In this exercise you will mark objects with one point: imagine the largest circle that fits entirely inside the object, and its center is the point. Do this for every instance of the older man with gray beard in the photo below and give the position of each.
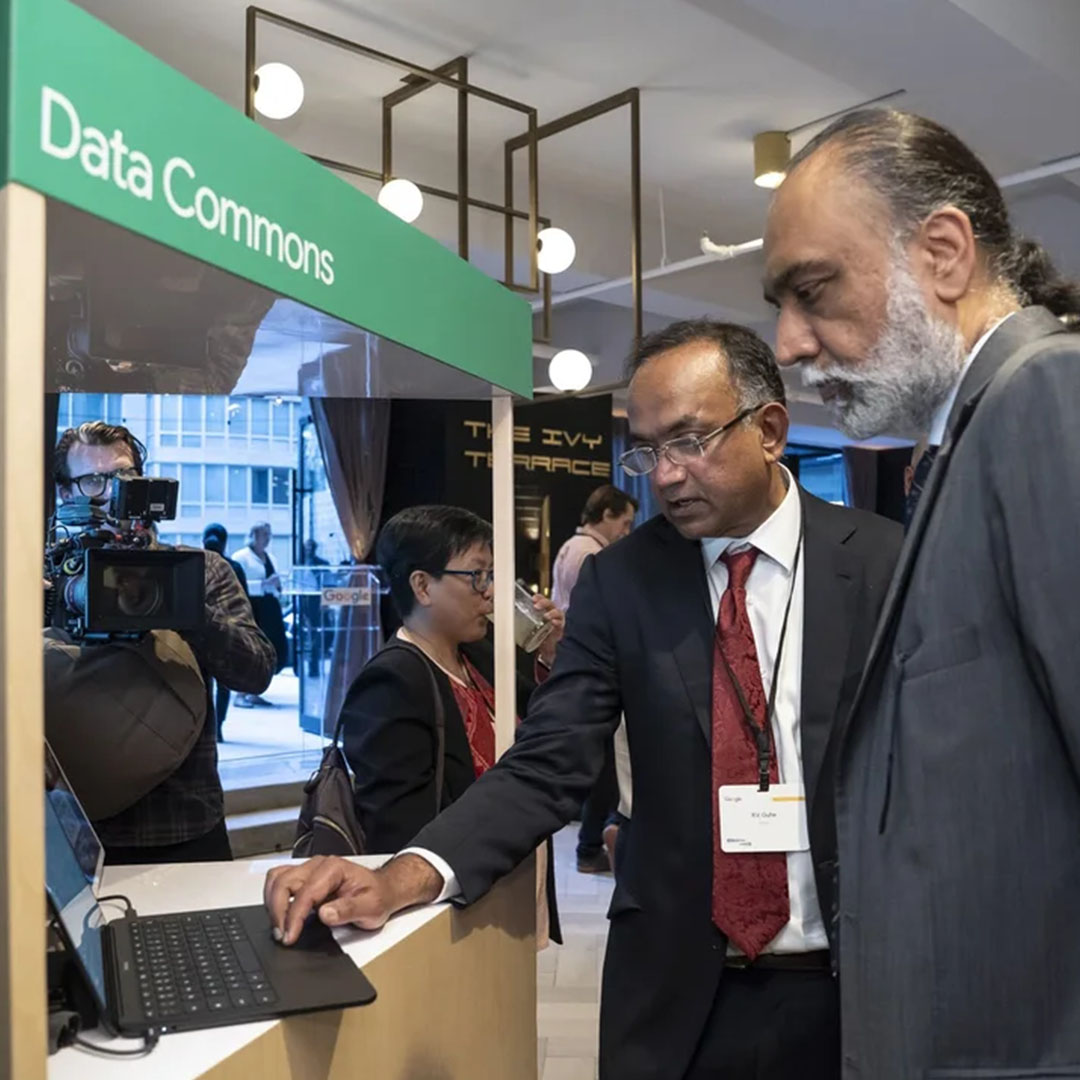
(905, 296)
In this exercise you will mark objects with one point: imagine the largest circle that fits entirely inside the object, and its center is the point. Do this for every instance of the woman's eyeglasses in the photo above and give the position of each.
(482, 580)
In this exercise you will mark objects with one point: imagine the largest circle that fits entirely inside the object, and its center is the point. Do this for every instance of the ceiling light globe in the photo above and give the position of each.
(771, 180)
(402, 198)
(570, 369)
(557, 250)
(279, 91)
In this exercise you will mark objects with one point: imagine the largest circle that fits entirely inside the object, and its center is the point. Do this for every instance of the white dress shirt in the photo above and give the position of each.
(767, 590)
(777, 540)
(936, 435)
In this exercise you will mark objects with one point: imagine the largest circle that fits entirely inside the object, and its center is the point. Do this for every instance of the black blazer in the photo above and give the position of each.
(639, 641)
(391, 743)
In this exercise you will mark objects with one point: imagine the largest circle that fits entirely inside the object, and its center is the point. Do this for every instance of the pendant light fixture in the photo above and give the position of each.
(569, 370)
(402, 197)
(556, 250)
(279, 91)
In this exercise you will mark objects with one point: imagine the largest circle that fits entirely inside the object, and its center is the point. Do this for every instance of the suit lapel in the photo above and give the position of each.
(1023, 327)
(681, 599)
(829, 598)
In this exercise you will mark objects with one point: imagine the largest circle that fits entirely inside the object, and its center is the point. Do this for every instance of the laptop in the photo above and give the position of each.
(189, 970)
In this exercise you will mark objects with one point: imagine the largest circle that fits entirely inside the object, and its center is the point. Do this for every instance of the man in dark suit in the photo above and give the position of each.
(739, 622)
(904, 292)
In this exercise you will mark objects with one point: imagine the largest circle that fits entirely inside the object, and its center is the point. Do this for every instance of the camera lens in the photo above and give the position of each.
(138, 595)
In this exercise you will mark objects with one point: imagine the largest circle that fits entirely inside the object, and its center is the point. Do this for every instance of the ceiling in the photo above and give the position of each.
(1003, 74)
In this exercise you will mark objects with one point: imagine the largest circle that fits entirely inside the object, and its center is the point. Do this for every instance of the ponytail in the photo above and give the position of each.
(1035, 277)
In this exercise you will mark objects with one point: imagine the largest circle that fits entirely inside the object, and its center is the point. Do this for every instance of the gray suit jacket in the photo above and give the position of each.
(958, 775)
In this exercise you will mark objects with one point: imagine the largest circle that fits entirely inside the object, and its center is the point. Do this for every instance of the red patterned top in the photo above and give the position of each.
(476, 703)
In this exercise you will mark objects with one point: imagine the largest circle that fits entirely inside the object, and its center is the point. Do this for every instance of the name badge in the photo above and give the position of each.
(753, 820)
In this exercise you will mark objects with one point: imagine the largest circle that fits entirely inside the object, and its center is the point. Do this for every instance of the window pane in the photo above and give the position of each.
(281, 421)
(215, 484)
(260, 417)
(170, 412)
(192, 413)
(215, 414)
(238, 417)
(191, 440)
(281, 487)
(114, 408)
(238, 487)
(191, 483)
(168, 440)
(167, 469)
(260, 487)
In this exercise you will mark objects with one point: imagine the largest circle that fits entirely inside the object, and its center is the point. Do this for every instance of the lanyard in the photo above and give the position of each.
(762, 736)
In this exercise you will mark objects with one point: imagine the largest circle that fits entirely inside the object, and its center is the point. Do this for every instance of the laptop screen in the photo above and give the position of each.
(73, 819)
(69, 885)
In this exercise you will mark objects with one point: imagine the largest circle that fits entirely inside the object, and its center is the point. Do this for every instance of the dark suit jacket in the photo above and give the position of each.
(391, 743)
(639, 640)
(959, 775)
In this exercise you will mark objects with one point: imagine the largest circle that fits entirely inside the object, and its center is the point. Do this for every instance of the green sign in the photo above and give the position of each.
(97, 122)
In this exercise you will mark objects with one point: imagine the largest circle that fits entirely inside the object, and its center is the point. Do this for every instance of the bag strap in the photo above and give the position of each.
(440, 716)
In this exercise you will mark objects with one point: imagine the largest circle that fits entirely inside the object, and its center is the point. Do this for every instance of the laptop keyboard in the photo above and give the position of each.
(187, 965)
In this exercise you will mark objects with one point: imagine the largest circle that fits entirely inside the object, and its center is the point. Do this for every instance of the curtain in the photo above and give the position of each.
(353, 436)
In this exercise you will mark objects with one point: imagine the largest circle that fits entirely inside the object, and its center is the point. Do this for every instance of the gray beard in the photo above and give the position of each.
(908, 374)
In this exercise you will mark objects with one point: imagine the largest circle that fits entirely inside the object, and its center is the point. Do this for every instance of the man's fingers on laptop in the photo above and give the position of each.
(281, 885)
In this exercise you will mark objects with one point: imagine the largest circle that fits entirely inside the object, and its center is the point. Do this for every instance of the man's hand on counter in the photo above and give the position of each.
(343, 893)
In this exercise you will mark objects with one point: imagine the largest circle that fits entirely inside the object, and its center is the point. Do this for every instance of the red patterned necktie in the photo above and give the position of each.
(750, 890)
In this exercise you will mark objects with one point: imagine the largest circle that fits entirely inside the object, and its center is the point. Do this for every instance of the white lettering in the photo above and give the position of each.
(94, 154)
(327, 262)
(240, 215)
(119, 152)
(296, 263)
(166, 182)
(140, 176)
(205, 220)
(272, 230)
(49, 98)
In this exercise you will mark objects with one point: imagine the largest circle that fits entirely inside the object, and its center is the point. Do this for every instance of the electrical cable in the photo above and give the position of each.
(151, 1040)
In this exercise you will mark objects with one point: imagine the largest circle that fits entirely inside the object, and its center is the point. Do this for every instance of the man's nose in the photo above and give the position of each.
(796, 342)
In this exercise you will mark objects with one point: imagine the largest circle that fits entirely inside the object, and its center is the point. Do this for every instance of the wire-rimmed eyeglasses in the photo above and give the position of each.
(482, 580)
(685, 450)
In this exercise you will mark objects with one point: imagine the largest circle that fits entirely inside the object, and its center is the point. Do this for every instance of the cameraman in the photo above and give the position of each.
(182, 819)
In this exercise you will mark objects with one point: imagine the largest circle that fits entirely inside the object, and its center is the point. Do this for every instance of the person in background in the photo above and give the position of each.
(608, 516)
(717, 962)
(438, 562)
(311, 617)
(216, 539)
(905, 294)
(264, 589)
(183, 818)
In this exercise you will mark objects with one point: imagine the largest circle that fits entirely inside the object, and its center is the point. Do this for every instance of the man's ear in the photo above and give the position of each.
(945, 251)
(773, 423)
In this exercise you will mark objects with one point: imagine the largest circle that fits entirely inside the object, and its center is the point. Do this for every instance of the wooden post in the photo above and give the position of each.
(502, 501)
(22, 764)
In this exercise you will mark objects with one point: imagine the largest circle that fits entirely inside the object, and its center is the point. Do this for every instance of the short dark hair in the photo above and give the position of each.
(94, 433)
(605, 498)
(215, 537)
(751, 365)
(918, 166)
(425, 538)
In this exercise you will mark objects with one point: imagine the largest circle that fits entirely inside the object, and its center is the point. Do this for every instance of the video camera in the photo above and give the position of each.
(108, 577)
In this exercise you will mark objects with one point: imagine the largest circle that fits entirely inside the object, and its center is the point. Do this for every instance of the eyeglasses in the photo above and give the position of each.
(95, 484)
(482, 580)
(685, 450)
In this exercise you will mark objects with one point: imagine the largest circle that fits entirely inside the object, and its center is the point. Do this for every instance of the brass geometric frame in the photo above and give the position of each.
(454, 75)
